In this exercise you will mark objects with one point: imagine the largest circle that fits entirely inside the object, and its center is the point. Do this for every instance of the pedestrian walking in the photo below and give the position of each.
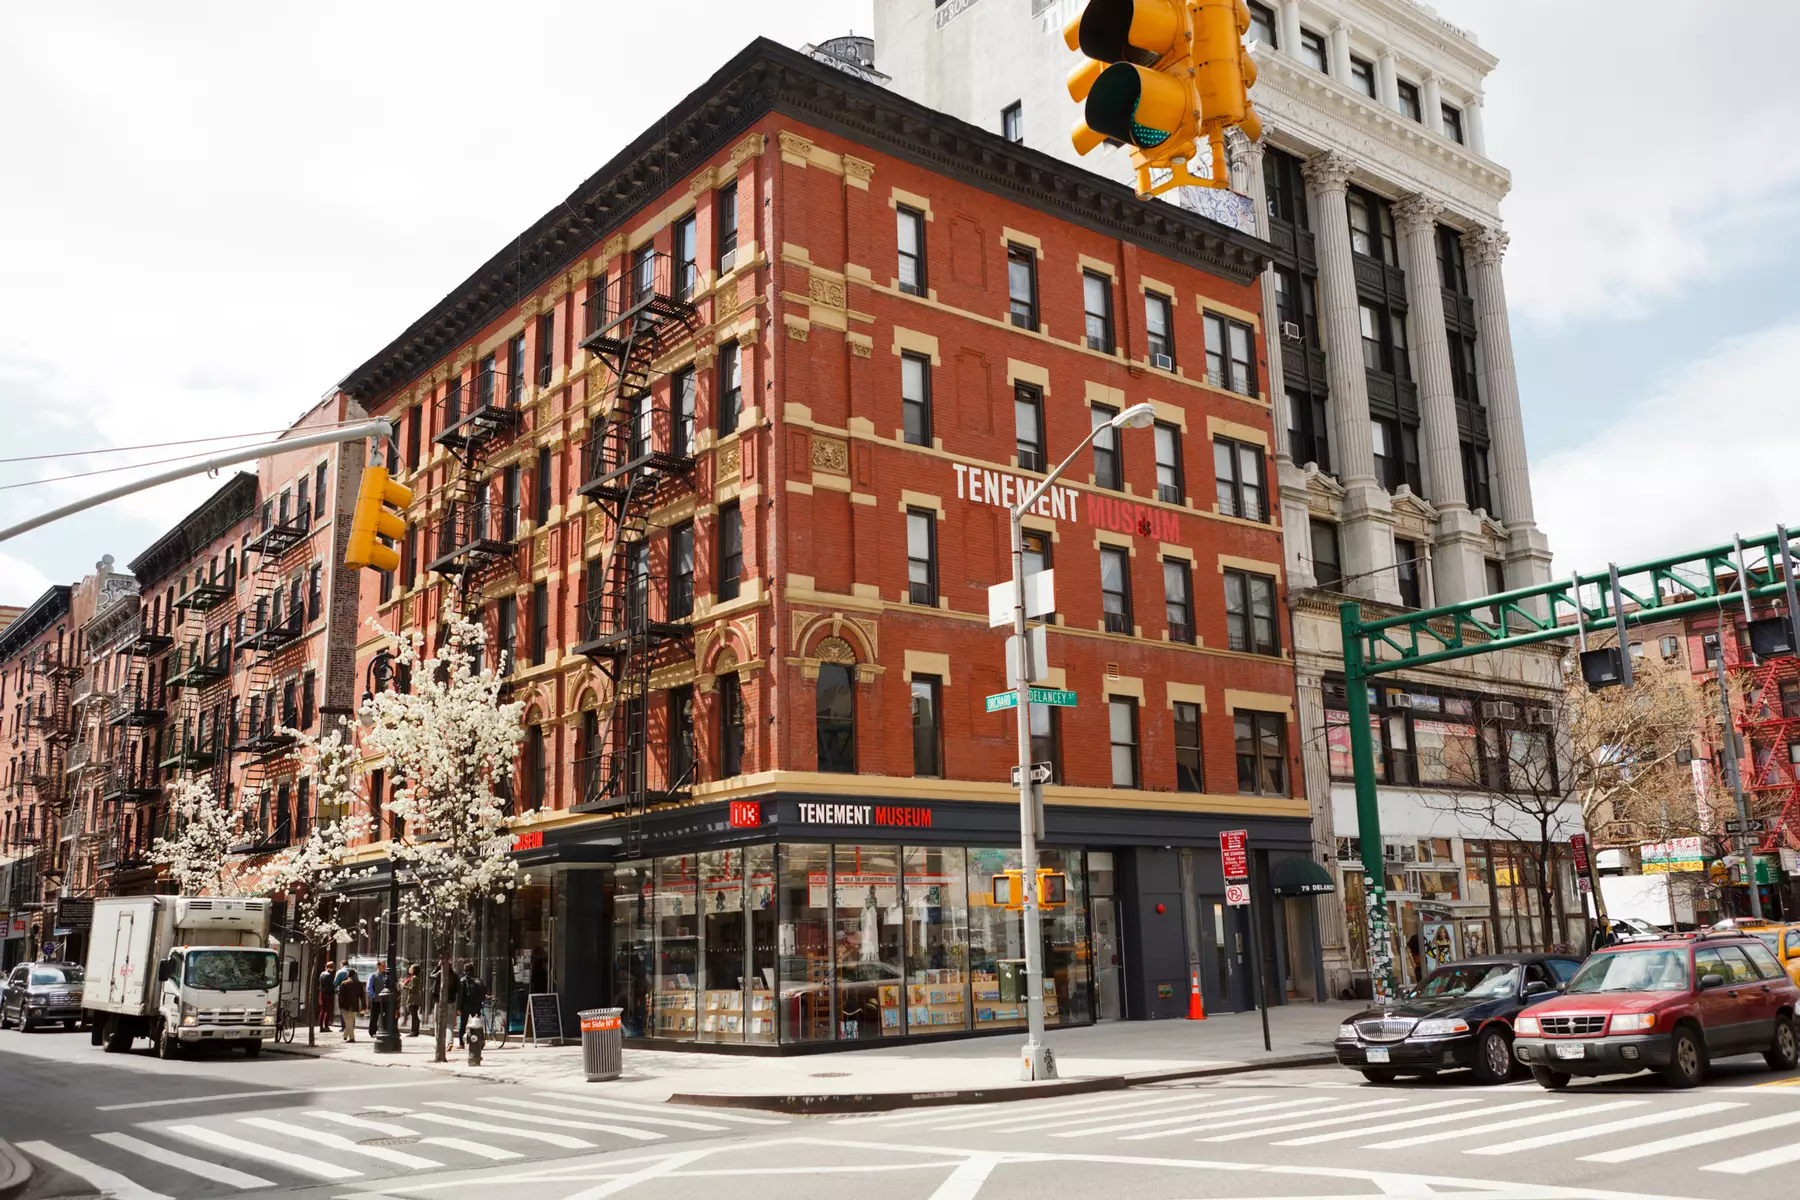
(350, 1002)
(443, 998)
(471, 993)
(378, 983)
(326, 985)
(409, 996)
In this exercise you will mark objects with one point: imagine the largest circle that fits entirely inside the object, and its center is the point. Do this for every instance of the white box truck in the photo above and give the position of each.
(181, 970)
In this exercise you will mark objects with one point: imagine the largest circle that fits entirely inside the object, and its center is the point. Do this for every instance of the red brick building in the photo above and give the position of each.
(719, 447)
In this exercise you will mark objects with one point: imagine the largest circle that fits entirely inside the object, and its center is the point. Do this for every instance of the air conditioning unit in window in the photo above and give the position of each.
(1399, 700)
(1162, 362)
(1499, 710)
(1539, 716)
(727, 260)
(1290, 330)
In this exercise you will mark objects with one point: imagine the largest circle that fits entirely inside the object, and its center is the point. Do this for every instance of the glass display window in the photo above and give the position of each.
(633, 945)
(937, 939)
(1068, 994)
(723, 954)
(675, 1002)
(869, 938)
(805, 1000)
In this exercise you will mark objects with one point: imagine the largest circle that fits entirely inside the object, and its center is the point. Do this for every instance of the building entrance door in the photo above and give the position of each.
(1231, 942)
(1109, 960)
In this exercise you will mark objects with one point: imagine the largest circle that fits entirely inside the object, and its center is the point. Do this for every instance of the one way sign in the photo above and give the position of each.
(1040, 773)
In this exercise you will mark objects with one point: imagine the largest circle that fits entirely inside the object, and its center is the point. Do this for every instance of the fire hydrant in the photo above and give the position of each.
(475, 1037)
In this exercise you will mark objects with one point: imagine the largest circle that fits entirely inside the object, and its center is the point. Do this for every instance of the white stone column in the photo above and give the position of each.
(1473, 128)
(1528, 552)
(1340, 52)
(1456, 563)
(1288, 22)
(1431, 99)
(1387, 79)
(1365, 533)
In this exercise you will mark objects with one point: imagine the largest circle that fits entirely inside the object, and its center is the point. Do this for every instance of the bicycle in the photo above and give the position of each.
(495, 1020)
(284, 1023)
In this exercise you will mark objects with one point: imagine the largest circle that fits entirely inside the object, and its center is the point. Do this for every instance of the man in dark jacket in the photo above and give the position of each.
(471, 993)
(378, 982)
(326, 986)
(350, 1002)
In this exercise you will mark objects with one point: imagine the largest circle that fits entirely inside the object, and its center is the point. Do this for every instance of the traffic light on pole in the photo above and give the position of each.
(372, 520)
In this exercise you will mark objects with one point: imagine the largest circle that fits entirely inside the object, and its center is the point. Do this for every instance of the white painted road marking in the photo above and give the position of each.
(110, 1182)
(1443, 1135)
(182, 1162)
(305, 1164)
(562, 1140)
(1339, 1135)
(1588, 1131)
(341, 1144)
(640, 1135)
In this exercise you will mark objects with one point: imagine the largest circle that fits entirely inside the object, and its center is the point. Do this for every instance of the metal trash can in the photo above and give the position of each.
(602, 1043)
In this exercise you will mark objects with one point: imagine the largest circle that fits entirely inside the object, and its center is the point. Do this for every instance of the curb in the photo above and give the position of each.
(15, 1171)
(871, 1102)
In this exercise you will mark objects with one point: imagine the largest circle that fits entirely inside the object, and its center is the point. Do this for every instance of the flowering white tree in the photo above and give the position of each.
(199, 855)
(450, 743)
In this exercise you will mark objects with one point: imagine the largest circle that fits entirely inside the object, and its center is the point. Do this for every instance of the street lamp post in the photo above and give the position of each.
(1035, 1060)
(387, 1040)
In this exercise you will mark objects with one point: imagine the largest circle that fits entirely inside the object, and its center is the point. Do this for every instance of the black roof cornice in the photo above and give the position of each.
(196, 531)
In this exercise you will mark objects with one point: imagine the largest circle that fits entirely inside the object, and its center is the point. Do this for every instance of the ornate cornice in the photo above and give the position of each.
(44, 612)
(767, 78)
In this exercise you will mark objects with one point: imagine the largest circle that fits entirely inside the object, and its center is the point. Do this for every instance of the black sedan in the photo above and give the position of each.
(1460, 1016)
(41, 992)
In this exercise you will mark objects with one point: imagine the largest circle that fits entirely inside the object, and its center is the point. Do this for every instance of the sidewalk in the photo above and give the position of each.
(1095, 1058)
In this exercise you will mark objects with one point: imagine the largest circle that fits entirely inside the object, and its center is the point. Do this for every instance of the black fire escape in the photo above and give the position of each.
(639, 457)
(275, 621)
(474, 536)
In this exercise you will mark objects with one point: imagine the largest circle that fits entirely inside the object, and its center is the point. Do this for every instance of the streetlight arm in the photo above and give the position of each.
(1135, 416)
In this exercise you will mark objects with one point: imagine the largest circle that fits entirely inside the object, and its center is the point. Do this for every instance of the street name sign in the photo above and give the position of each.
(1040, 773)
(1053, 697)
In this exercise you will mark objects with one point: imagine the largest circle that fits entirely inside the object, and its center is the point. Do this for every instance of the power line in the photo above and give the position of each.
(219, 437)
(155, 462)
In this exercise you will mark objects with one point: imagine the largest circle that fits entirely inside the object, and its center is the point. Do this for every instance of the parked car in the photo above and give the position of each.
(1632, 929)
(1671, 1006)
(1460, 1015)
(40, 992)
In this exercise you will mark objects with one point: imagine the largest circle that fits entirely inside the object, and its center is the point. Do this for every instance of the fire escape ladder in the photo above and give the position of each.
(272, 629)
(1768, 719)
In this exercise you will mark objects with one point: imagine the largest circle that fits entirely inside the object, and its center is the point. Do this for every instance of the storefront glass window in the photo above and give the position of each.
(937, 940)
(1337, 744)
(533, 927)
(869, 935)
(675, 1008)
(759, 1018)
(633, 946)
(1067, 995)
(997, 948)
(803, 944)
(723, 931)
(1448, 752)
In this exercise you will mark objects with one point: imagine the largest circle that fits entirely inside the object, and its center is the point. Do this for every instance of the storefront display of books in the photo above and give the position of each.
(936, 997)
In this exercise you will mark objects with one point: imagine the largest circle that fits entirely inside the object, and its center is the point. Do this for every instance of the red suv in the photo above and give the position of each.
(1670, 1005)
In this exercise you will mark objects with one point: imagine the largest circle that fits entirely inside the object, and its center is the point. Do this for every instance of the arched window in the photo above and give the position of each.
(837, 718)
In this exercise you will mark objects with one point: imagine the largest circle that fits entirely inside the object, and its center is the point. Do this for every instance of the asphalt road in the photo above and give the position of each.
(303, 1128)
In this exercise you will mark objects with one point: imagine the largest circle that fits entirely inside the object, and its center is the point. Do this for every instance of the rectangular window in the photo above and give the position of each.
(731, 387)
(911, 238)
(1670, 647)
(681, 405)
(1021, 285)
(921, 556)
(546, 348)
(487, 379)
(730, 531)
(302, 510)
(681, 737)
(1178, 600)
(1229, 360)
(515, 370)
(541, 512)
(1109, 462)
(1096, 300)
(728, 227)
(309, 698)
(681, 571)
(315, 591)
(643, 273)
(1453, 123)
(1171, 487)
(1494, 575)
(1409, 101)
(1452, 268)
(1261, 752)
(1362, 76)
(1028, 426)
(414, 423)
(540, 623)
(1374, 336)
(1308, 440)
(1312, 51)
(1406, 571)
(1262, 26)
(1121, 717)
(1037, 558)
(1250, 625)
(1159, 330)
(533, 768)
(928, 733)
(731, 726)
(1012, 122)
(835, 717)
(1327, 573)
(1189, 773)
(687, 256)
(1115, 588)
(409, 559)
(915, 398)
(1475, 477)
(506, 630)
(1240, 480)
(509, 504)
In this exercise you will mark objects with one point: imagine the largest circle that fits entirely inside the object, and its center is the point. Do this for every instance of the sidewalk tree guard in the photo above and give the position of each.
(1697, 581)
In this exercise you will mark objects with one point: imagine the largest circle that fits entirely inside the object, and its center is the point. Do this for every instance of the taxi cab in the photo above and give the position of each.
(1784, 940)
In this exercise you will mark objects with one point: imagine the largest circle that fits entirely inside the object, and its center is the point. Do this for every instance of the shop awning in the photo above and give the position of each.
(1300, 877)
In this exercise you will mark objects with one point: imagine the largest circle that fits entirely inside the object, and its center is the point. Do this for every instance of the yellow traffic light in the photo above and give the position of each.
(1224, 72)
(1009, 890)
(372, 519)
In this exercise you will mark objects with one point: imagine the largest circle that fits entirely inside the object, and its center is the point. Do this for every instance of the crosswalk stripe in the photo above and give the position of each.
(710, 1114)
(478, 1149)
(340, 1143)
(110, 1182)
(1443, 1135)
(588, 1112)
(1283, 1109)
(1286, 1125)
(1340, 1135)
(1186, 1117)
(1698, 1137)
(562, 1140)
(305, 1164)
(183, 1162)
(1749, 1163)
(1075, 1114)
(381, 1127)
(1588, 1131)
(640, 1135)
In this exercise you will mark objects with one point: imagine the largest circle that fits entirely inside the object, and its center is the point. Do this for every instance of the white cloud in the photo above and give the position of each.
(20, 582)
(1709, 453)
(1648, 143)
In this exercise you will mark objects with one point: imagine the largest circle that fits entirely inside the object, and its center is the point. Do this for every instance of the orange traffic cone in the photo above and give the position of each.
(1196, 1004)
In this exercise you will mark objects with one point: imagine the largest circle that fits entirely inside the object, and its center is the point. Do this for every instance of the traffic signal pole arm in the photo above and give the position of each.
(377, 428)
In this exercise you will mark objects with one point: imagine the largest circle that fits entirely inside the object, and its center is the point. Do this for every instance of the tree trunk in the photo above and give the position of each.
(1547, 893)
(442, 1013)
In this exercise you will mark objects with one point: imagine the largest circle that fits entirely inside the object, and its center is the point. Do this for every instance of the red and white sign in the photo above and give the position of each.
(746, 814)
(1234, 853)
(596, 1024)
(529, 841)
(1578, 848)
(1237, 894)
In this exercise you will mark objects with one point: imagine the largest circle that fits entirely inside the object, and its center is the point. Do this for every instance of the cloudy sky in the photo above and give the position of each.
(214, 211)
